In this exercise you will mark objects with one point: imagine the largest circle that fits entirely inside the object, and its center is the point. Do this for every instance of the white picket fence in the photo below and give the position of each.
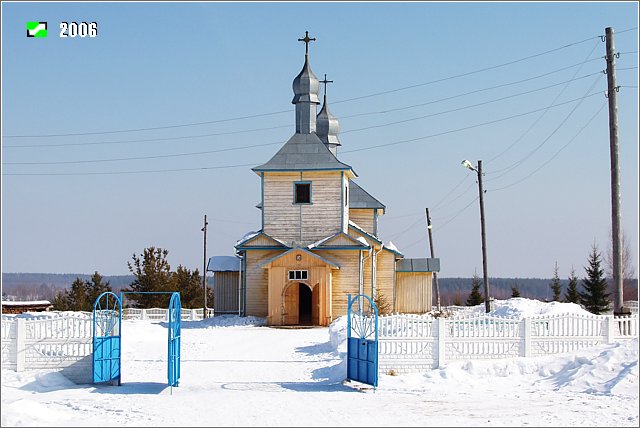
(412, 343)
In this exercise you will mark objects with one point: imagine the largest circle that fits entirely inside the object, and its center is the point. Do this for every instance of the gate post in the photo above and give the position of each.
(526, 337)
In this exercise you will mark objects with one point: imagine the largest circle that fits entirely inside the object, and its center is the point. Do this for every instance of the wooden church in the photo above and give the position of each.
(319, 238)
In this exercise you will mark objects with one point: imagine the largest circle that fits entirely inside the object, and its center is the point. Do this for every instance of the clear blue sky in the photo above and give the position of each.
(161, 64)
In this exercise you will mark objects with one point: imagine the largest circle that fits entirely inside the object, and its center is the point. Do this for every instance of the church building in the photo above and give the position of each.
(319, 239)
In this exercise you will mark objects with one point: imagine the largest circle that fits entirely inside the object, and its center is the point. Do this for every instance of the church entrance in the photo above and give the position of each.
(304, 306)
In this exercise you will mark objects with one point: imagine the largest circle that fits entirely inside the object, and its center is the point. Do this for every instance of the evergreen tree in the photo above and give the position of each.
(95, 288)
(78, 296)
(152, 273)
(59, 301)
(555, 285)
(572, 295)
(475, 298)
(189, 284)
(595, 298)
(515, 292)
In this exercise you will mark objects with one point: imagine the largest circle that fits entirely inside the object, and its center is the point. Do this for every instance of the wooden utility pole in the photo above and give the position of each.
(487, 305)
(616, 237)
(204, 268)
(435, 274)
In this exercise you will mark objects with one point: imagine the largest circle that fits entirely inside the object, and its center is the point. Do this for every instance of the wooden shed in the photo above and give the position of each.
(226, 284)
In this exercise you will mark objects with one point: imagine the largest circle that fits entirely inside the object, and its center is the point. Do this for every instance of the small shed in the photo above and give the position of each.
(226, 283)
(18, 307)
(414, 284)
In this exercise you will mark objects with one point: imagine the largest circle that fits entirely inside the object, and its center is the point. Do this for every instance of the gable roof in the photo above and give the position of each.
(303, 152)
(360, 198)
(337, 241)
(244, 242)
(303, 250)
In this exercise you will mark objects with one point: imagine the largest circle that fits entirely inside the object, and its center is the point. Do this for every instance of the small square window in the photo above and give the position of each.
(302, 193)
(298, 274)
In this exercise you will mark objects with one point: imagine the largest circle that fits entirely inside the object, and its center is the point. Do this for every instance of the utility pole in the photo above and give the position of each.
(204, 268)
(616, 237)
(435, 274)
(487, 305)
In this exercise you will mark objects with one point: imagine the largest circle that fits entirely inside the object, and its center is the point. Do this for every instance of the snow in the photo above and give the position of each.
(25, 302)
(520, 307)
(392, 247)
(363, 241)
(236, 372)
(247, 236)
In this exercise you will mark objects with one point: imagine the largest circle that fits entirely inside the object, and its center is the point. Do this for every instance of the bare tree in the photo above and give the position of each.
(628, 270)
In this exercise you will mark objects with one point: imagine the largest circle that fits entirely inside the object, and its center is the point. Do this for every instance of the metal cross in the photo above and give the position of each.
(306, 41)
(325, 81)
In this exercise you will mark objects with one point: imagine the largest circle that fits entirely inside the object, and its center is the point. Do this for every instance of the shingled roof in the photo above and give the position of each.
(303, 152)
(360, 198)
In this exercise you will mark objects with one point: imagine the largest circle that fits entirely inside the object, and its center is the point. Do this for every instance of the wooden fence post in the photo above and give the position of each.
(21, 335)
(441, 328)
(526, 337)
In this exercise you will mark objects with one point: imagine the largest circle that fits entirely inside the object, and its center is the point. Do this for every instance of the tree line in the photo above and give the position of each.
(594, 296)
(151, 274)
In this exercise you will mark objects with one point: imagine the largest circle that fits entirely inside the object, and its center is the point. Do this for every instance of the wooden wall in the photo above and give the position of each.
(320, 219)
(363, 218)
(343, 281)
(257, 282)
(225, 292)
(413, 292)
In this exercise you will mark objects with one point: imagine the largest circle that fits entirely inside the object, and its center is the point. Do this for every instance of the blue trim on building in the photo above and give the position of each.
(341, 201)
(375, 222)
(262, 203)
(302, 169)
(394, 252)
(263, 247)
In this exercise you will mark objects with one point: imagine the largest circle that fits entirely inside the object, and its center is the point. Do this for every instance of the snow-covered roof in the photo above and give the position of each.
(25, 302)
(247, 236)
(223, 264)
(392, 247)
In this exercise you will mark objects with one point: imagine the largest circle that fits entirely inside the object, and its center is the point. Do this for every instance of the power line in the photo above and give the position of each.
(142, 157)
(138, 172)
(287, 126)
(286, 111)
(257, 145)
(539, 118)
(466, 107)
(556, 154)
(465, 74)
(439, 134)
(519, 162)
(347, 151)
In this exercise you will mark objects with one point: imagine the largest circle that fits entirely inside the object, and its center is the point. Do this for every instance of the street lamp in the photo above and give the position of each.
(478, 170)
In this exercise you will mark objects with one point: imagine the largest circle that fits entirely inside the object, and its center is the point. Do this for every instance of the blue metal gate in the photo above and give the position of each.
(362, 340)
(175, 316)
(107, 321)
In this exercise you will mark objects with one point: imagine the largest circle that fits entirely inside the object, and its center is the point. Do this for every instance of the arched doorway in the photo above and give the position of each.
(305, 299)
(301, 304)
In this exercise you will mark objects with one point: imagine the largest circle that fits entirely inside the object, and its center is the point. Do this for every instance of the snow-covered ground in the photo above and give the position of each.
(236, 372)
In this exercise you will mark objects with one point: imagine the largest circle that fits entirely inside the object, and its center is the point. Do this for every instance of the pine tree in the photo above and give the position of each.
(152, 273)
(572, 295)
(95, 288)
(555, 285)
(189, 284)
(515, 292)
(595, 298)
(475, 298)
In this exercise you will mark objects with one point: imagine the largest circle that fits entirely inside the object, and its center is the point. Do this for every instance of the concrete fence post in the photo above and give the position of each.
(610, 330)
(526, 338)
(194, 314)
(441, 328)
(144, 314)
(21, 335)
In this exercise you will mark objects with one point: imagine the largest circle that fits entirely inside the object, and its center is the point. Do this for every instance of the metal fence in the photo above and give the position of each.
(411, 343)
